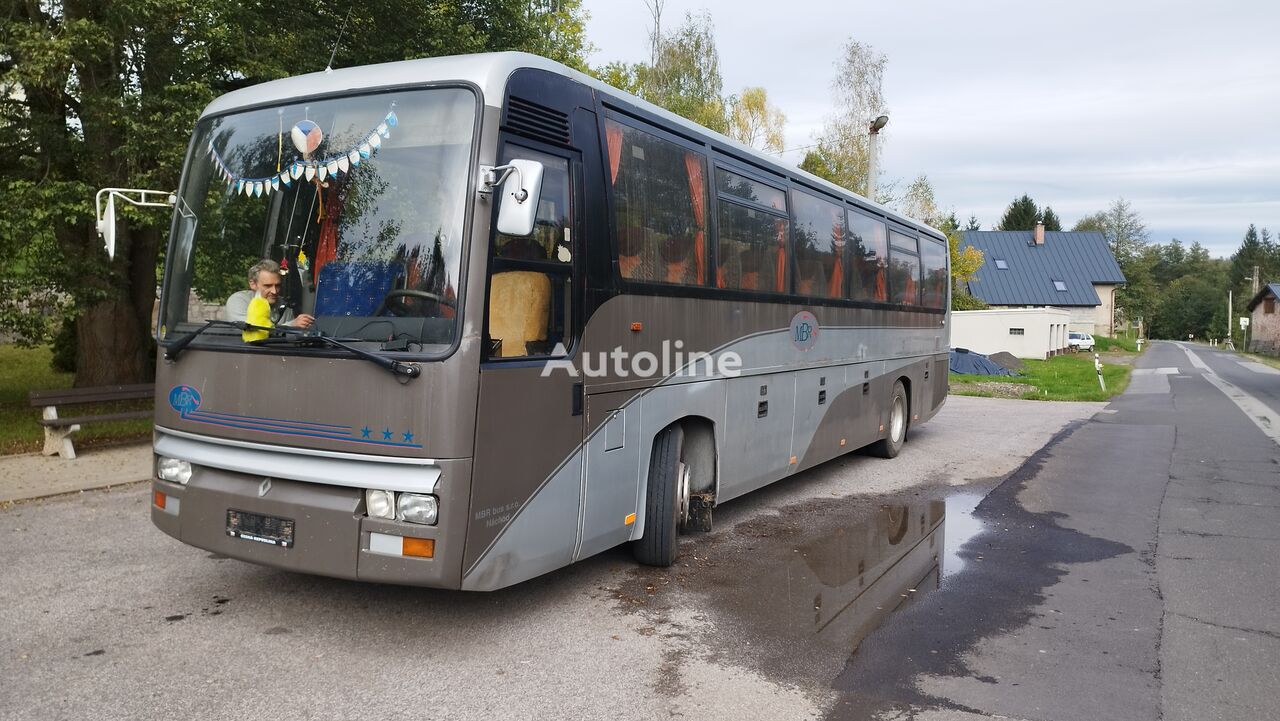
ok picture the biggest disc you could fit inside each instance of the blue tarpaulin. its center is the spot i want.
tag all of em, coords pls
(964, 360)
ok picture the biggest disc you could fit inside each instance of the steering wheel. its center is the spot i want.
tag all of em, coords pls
(392, 302)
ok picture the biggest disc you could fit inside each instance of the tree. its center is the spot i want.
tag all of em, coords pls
(754, 121)
(1122, 226)
(842, 151)
(1022, 214)
(1189, 306)
(1050, 220)
(965, 262)
(973, 223)
(103, 94)
(919, 202)
(1126, 235)
(1255, 250)
(684, 74)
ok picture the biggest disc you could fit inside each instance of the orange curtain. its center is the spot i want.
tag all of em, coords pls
(447, 311)
(911, 298)
(780, 270)
(697, 191)
(835, 284)
(327, 245)
(882, 294)
(613, 135)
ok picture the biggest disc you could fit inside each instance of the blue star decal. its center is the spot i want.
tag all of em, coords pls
(408, 436)
(386, 434)
(364, 432)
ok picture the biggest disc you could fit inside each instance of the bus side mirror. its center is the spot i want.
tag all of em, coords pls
(106, 218)
(520, 187)
(107, 226)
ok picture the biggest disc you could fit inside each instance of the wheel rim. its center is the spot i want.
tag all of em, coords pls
(682, 496)
(898, 423)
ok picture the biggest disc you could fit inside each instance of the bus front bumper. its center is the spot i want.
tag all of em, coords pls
(311, 527)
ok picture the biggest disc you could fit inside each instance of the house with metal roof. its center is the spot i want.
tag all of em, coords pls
(1038, 269)
(1264, 321)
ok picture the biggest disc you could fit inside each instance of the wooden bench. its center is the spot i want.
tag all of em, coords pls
(57, 431)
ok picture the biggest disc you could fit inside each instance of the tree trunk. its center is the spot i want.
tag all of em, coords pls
(113, 349)
(113, 337)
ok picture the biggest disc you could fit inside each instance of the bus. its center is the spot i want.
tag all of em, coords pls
(458, 322)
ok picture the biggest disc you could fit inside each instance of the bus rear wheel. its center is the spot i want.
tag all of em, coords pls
(891, 444)
(667, 501)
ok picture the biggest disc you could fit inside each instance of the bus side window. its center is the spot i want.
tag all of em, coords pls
(531, 282)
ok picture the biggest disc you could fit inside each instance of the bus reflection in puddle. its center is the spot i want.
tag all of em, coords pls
(866, 571)
(841, 581)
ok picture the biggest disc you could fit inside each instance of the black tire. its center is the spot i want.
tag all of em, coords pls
(899, 419)
(658, 545)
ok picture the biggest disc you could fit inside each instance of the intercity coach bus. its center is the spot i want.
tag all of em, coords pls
(508, 317)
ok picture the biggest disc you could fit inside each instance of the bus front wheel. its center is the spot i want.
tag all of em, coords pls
(666, 502)
(891, 444)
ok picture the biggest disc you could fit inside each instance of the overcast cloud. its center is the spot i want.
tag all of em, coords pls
(1173, 105)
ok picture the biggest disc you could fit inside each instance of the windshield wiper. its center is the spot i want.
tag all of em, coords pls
(293, 336)
(175, 349)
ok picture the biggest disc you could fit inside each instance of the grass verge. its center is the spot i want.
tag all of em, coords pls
(1121, 343)
(27, 369)
(1068, 377)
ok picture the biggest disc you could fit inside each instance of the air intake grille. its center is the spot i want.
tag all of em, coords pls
(537, 121)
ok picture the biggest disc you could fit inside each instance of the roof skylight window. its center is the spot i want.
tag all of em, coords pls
(1060, 286)
(1002, 264)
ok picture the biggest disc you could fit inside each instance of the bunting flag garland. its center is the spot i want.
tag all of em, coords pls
(306, 134)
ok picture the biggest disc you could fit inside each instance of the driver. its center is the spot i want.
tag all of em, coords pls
(259, 306)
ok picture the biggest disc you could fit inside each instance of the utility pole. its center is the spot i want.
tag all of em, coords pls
(1230, 312)
(1255, 280)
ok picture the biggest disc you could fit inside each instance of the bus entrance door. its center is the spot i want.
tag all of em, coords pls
(527, 483)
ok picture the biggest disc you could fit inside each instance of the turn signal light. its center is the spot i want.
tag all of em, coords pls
(419, 547)
(159, 499)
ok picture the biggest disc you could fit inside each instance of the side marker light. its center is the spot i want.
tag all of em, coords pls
(419, 547)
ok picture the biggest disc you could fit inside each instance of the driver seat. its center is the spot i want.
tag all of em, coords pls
(519, 308)
(355, 288)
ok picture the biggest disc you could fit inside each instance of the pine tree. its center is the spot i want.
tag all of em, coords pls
(1022, 214)
(1050, 220)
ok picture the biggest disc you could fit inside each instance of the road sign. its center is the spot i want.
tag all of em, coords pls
(1244, 322)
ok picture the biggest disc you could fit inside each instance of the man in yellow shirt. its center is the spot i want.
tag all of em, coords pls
(262, 297)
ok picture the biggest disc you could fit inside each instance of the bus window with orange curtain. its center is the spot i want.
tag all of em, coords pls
(819, 247)
(904, 269)
(868, 258)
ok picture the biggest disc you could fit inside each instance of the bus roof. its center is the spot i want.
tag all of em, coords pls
(489, 72)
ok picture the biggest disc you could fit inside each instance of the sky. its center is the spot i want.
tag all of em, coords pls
(1172, 105)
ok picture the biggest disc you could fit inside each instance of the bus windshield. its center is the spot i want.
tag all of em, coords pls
(343, 215)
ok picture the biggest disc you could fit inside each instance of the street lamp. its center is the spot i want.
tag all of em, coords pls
(873, 151)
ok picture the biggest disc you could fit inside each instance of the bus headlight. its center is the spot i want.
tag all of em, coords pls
(173, 470)
(417, 508)
(380, 504)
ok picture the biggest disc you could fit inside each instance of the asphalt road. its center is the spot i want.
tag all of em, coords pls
(102, 616)
(1128, 571)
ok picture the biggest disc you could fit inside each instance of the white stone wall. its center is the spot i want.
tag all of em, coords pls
(1044, 331)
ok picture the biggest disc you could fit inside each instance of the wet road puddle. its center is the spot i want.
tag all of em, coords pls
(795, 594)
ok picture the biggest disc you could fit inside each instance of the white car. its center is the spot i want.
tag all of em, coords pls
(1080, 341)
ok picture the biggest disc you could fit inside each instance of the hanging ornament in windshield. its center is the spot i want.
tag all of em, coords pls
(307, 137)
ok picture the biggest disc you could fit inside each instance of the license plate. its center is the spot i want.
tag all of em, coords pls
(259, 528)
